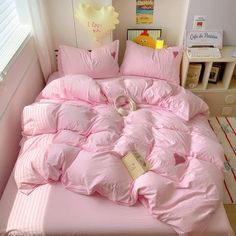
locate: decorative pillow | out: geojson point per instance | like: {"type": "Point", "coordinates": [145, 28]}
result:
{"type": "Point", "coordinates": [156, 63]}
{"type": "Point", "coordinates": [99, 63]}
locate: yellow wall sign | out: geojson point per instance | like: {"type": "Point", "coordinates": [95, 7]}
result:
{"type": "Point", "coordinates": [144, 11]}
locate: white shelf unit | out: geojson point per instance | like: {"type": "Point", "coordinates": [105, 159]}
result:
{"type": "Point", "coordinates": [224, 87]}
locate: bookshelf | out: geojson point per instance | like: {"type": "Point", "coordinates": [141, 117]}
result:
{"type": "Point", "coordinates": [216, 83]}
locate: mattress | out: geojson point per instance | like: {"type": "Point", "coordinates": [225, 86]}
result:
{"type": "Point", "coordinates": [53, 210]}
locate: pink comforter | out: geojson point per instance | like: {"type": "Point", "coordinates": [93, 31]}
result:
{"type": "Point", "coordinates": [73, 134]}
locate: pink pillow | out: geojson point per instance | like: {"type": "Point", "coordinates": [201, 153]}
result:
{"type": "Point", "coordinates": [99, 63]}
{"type": "Point", "coordinates": [155, 63]}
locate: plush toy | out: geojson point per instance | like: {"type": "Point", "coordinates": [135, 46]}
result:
{"type": "Point", "coordinates": [97, 22]}
{"type": "Point", "coordinates": [145, 40]}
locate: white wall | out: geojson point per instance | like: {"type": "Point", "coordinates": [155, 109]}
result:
{"type": "Point", "coordinates": [61, 22]}
{"type": "Point", "coordinates": [65, 27]}
{"type": "Point", "coordinates": [169, 15]}
{"type": "Point", "coordinates": [220, 15]}
{"type": "Point", "coordinates": [21, 85]}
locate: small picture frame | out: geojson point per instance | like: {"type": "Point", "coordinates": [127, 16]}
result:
{"type": "Point", "coordinates": [133, 33]}
{"type": "Point", "coordinates": [214, 74]}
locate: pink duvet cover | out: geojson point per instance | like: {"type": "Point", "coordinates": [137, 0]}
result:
{"type": "Point", "coordinates": [73, 134]}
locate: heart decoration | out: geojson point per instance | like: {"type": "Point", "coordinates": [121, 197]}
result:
{"type": "Point", "coordinates": [178, 159]}
{"type": "Point", "coordinates": [175, 54]}
{"type": "Point", "coordinates": [113, 54]}
{"type": "Point", "coordinates": [97, 22]}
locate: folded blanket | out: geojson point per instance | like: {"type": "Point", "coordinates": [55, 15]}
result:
{"type": "Point", "coordinates": [73, 134]}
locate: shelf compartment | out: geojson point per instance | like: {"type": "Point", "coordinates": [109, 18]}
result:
{"type": "Point", "coordinates": [216, 78]}
{"type": "Point", "coordinates": [222, 82]}
{"type": "Point", "coordinates": [200, 86]}
{"type": "Point", "coordinates": [232, 84]}
{"type": "Point", "coordinates": [215, 93]}
{"type": "Point", "coordinates": [218, 86]}
{"type": "Point", "coordinates": [228, 73]}
{"type": "Point", "coordinates": [194, 75]}
{"type": "Point", "coordinates": [223, 75]}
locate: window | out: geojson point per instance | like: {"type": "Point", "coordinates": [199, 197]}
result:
{"type": "Point", "coordinates": [12, 34]}
{"type": "Point", "coordinates": [8, 20]}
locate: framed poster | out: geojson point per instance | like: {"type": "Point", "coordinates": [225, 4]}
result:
{"type": "Point", "coordinates": [199, 22]}
{"type": "Point", "coordinates": [144, 11]}
{"type": "Point", "coordinates": [214, 74]}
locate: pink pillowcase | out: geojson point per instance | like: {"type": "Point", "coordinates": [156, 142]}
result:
{"type": "Point", "coordinates": [155, 63]}
{"type": "Point", "coordinates": [99, 63]}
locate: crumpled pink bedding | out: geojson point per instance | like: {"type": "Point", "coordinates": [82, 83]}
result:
{"type": "Point", "coordinates": [73, 134]}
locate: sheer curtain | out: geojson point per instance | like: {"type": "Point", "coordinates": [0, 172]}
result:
{"type": "Point", "coordinates": [42, 35]}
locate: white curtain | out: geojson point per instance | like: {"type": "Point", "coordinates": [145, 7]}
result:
{"type": "Point", "coordinates": [42, 35]}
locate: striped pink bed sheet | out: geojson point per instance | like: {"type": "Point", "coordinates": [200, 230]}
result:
{"type": "Point", "coordinates": [225, 130]}
{"type": "Point", "coordinates": [53, 210]}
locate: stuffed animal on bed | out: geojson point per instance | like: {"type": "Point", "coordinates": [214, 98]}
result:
{"type": "Point", "coordinates": [145, 40]}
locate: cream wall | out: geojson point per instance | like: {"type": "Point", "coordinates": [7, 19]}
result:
{"type": "Point", "coordinates": [219, 15]}
{"type": "Point", "coordinates": [170, 15]}
{"type": "Point", "coordinates": [222, 16]}
{"type": "Point", "coordinates": [65, 28]}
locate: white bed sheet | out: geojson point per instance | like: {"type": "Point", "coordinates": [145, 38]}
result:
{"type": "Point", "coordinates": [53, 210]}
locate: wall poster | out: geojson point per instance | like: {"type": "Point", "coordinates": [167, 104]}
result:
{"type": "Point", "coordinates": [144, 11]}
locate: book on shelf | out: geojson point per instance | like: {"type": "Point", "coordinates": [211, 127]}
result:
{"type": "Point", "coordinates": [193, 75]}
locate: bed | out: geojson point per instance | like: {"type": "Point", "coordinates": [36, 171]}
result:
{"type": "Point", "coordinates": [69, 174]}
{"type": "Point", "coordinates": [50, 210]}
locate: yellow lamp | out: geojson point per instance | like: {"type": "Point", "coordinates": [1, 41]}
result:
{"type": "Point", "coordinates": [159, 43]}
